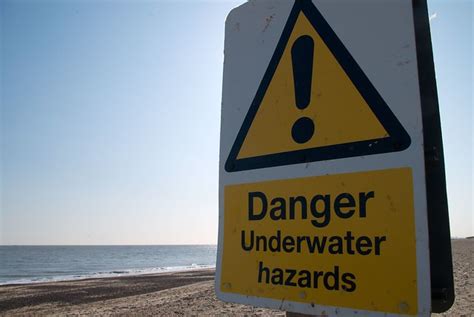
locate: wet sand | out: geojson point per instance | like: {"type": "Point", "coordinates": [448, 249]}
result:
{"type": "Point", "coordinates": [182, 293]}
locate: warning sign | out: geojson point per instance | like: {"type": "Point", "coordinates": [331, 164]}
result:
{"type": "Point", "coordinates": [314, 103]}
{"type": "Point", "coordinates": [335, 239]}
{"type": "Point", "coordinates": [322, 176]}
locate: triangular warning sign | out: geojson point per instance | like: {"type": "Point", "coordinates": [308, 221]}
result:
{"type": "Point", "coordinates": [314, 103]}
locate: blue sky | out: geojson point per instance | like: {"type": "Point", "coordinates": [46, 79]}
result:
{"type": "Point", "coordinates": [452, 37]}
{"type": "Point", "coordinates": [110, 119]}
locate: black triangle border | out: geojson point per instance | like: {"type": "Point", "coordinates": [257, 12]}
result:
{"type": "Point", "coordinates": [398, 139]}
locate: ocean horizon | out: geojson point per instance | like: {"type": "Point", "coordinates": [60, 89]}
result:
{"type": "Point", "coordinates": [22, 264]}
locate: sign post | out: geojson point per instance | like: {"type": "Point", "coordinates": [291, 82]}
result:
{"type": "Point", "coordinates": [323, 201]}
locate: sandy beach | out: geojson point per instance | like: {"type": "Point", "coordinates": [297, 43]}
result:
{"type": "Point", "coordinates": [181, 293]}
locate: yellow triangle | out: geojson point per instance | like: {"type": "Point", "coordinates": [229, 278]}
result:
{"type": "Point", "coordinates": [339, 113]}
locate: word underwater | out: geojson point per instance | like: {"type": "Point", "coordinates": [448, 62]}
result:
{"type": "Point", "coordinates": [347, 244]}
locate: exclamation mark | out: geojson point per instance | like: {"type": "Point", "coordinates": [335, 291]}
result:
{"type": "Point", "coordinates": [302, 58]}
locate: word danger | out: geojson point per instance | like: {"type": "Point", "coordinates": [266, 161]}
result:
{"type": "Point", "coordinates": [344, 205]}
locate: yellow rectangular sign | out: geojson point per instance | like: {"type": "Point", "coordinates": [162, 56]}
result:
{"type": "Point", "coordinates": [345, 240]}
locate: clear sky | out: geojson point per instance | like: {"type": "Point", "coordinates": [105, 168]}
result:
{"type": "Point", "coordinates": [110, 119]}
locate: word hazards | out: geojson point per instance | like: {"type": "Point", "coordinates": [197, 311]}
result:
{"type": "Point", "coordinates": [324, 238]}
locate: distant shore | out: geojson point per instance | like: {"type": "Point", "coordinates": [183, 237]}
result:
{"type": "Point", "coordinates": [176, 293]}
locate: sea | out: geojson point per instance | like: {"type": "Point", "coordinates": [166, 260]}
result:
{"type": "Point", "coordinates": [34, 264]}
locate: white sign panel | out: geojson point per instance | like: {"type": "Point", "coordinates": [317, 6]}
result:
{"type": "Point", "coordinates": [322, 194]}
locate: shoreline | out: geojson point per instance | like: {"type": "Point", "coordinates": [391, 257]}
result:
{"type": "Point", "coordinates": [112, 274]}
{"type": "Point", "coordinates": [175, 293]}
{"type": "Point", "coordinates": [47, 297]}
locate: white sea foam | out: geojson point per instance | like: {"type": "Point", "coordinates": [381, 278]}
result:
{"type": "Point", "coordinates": [112, 273]}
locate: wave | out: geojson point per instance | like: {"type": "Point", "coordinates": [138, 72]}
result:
{"type": "Point", "coordinates": [112, 273]}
